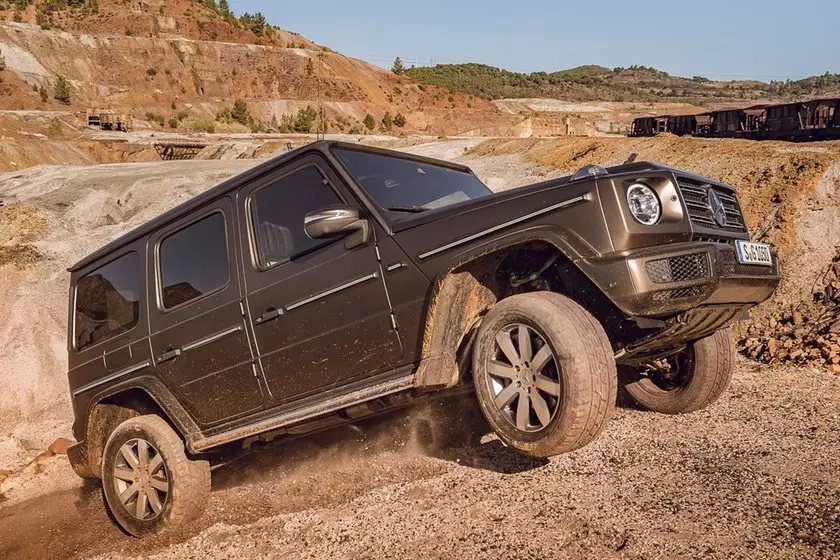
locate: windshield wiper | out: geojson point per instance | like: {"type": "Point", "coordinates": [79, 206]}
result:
{"type": "Point", "coordinates": [413, 209]}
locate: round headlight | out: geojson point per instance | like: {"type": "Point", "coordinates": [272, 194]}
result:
{"type": "Point", "coordinates": [644, 204]}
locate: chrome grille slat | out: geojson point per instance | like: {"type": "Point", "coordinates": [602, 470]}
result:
{"type": "Point", "coordinates": [695, 197]}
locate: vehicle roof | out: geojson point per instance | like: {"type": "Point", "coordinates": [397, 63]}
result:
{"type": "Point", "coordinates": [322, 146]}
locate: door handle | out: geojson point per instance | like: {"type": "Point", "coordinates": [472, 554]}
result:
{"type": "Point", "coordinates": [269, 315]}
{"type": "Point", "coordinates": [170, 355]}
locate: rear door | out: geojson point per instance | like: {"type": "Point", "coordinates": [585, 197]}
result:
{"type": "Point", "coordinates": [109, 332]}
{"type": "Point", "coordinates": [199, 338]}
{"type": "Point", "coordinates": [319, 311]}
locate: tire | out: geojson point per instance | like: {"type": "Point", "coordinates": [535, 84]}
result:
{"type": "Point", "coordinates": [708, 365]}
{"type": "Point", "coordinates": [577, 382]}
{"type": "Point", "coordinates": [187, 482]}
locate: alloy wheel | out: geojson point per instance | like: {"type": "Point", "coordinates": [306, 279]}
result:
{"type": "Point", "coordinates": [141, 479]}
{"type": "Point", "coordinates": [523, 378]}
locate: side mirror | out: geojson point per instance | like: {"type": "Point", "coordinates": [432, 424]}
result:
{"type": "Point", "coordinates": [337, 220]}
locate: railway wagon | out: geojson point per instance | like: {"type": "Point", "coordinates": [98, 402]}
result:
{"type": "Point", "coordinates": [817, 119]}
{"type": "Point", "coordinates": [649, 126]}
{"type": "Point", "coordinates": [682, 125]}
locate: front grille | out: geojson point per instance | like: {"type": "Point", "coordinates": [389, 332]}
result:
{"type": "Point", "coordinates": [729, 266]}
{"type": "Point", "coordinates": [696, 197]}
{"type": "Point", "coordinates": [678, 269]}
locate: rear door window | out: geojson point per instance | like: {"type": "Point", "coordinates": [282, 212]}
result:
{"type": "Point", "coordinates": [107, 301]}
{"type": "Point", "coordinates": [194, 261]}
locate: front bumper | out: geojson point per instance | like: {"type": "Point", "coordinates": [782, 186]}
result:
{"type": "Point", "coordinates": [664, 281]}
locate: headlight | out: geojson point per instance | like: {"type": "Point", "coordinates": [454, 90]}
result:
{"type": "Point", "coordinates": [644, 204]}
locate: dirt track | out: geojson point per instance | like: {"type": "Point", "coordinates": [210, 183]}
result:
{"type": "Point", "coordinates": [755, 476]}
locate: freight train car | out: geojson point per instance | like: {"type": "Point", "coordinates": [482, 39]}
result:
{"type": "Point", "coordinates": [818, 119]}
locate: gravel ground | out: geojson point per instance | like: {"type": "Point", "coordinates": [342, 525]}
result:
{"type": "Point", "coordinates": [754, 476]}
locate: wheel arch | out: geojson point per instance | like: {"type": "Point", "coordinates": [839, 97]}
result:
{"type": "Point", "coordinates": [97, 417]}
{"type": "Point", "coordinates": [463, 293]}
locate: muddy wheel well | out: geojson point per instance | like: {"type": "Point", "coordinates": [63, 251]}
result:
{"type": "Point", "coordinates": [469, 290]}
{"type": "Point", "coordinates": [109, 413]}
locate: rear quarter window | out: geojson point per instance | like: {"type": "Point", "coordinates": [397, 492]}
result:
{"type": "Point", "coordinates": [107, 301]}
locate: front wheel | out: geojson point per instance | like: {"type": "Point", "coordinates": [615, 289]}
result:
{"type": "Point", "coordinates": [150, 485]}
{"type": "Point", "coordinates": [692, 380]}
{"type": "Point", "coordinates": [544, 373]}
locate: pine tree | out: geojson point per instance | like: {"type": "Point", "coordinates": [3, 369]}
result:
{"type": "Point", "coordinates": [398, 67]}
{"type": "Point", "coordinates": [400, 120]}
{"type": "Point", "coordinates": [240, 112]}
{"type": "Point", "coordinates": [369, 122]}
{"type": "Point", "coordinates": [62, 90]}
{"type": "Point", "coordinates": [387, 121]}
{"type": "Point", "coordinates": [224, 8]}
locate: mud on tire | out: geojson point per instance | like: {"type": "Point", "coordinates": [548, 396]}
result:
{"type": "Point", "coordinates": [709, 363]}
{"type": "Point", "coordinates": [154, 466]}
{"type": "Point", "coordinates": [571, 393]}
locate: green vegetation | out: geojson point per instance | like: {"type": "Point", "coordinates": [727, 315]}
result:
{"type": "Point", "coordinates": [399, 67]}
{"type": "Point", "coordinates": [369, 122]}
{"type": "Point", "coordinates": [155, 118]}
{"type": "Point", "coordinates": [825, 85]}
{"type": "Point", "coordinates": [61, 91]}
{"type": "Point", "coordinates": [2, 61]}
{"type": "Point", "coordinates": [400, 120]}
{"type": "Point", "coordinates": [597, 83]}
{"type": "Point", "coordinates": [42, 91]}
{"type": "Point", "coordinates": [387, 121]}
{"type": "Point", "coordinates": [203, 126]}
{"type": "Point", "coordinates": [151, 72]}
{"type": "Point", "coordinates": [303, 121]}
{"type": "Point", "coordinates": [255, 23]}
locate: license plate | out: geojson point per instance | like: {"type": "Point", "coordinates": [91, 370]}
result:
{"type": "Point", "coordinates": [754, 253]}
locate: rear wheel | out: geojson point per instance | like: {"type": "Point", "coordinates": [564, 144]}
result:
{"type": "Point", "coordinates": [544, 373]}
{"type": "Point", "coordinates": [150, 485]}
{"type": "Point", "coordinates": [690, 380]}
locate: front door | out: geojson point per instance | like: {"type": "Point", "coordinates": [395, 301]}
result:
{"type": "Point", "coordinates": [319, 311]}
{"type": "Point", "coordinates": [199, 338]}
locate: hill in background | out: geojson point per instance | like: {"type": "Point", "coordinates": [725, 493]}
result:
{"type": "Point", "coordinates": [636, 83]}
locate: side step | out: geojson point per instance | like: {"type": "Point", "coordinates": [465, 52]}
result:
{"type": "Point", "coordinates": [310, 407]}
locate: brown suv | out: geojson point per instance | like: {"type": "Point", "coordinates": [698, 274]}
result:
{"type": "Point", "coordinates": [337, 282]}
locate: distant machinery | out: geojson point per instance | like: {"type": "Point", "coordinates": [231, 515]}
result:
{"type": "Point", "coordinates": [109, 120]}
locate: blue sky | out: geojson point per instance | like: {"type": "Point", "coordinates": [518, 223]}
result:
{"type": "Point", "coordinates": [735, 39]}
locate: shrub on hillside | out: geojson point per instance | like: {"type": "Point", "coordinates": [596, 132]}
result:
{"type": "Point", "coordinates": [62, 90]}
{"type": "Point", "coordinates": [400, 120]}
{"type": "Point", "coordinates": [369, 122]}
{"type": "Point", "coordinates": [155, 118]}
{"type": "Point", "coordinates": [203, 126]}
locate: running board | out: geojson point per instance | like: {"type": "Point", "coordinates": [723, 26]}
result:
{"type": "Point", "coordinates": [311, 407]}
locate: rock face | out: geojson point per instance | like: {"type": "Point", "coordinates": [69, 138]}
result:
{"type": "Point", "coordinates": [807, 334]}
{"type": "Point", "coordinates": [167, 66]}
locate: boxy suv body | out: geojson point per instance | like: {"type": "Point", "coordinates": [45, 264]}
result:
{"type": "Point", "coordinates": [337, 282]}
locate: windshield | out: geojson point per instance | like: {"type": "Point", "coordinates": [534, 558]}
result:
{"type": "Point", "coordinates": [402, 185]}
